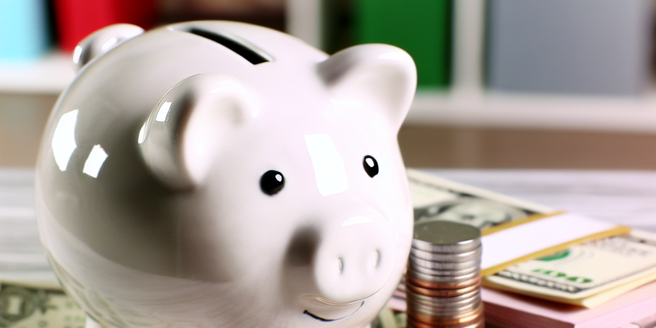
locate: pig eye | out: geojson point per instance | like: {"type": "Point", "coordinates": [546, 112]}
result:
{"type": "Point", "coordinates": [272, 182]}
{"type": "Point", "coordinates": [370, 165]}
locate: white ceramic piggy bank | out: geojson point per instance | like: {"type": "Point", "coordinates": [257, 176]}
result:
{"type": "Point", "coordinates": [220, 174]}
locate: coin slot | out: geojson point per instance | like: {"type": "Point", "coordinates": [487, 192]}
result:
{"type": "Point", "coordinates": [253, 56]}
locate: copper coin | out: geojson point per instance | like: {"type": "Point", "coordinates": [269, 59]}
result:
{"type": "Point", "coordinates": [445, 285]}
{"type": "Point", "coordinates": [433, 311]}
{"type": "Point", "coordinates": [441, 292]}
{"type": "Point", "coordinates": [433, 299]}
{"type": "Point", "coordinates": [480, 323]}
{"type": "Point", "coordinates": [457, 306]}
{"type": "Point", "coordinates": [452, 320]}
{"type": "Point", "coordinates": [442, 312]}
{"type": "Point", "coordinates": [474, 322]}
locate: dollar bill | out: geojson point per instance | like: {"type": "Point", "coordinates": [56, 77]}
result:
{"type": "Point", "coordinates": [434, 198]}
{"type": "Point", "coordinates": [385, 319]}
{"type": "Point", "coordinates": [389, 318]}
{"type": "Point", "coordinates": [25, 306]}
{"type": "Point", "coordinates": [588, 274]}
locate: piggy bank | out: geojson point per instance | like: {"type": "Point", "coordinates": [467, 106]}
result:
{"type": "Point", "coordinates": [221, 174]}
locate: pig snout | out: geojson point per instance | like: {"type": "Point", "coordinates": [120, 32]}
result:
{"type": "Point", "coordinates": [345, 261]}
{"type": "Point", "coordinates": [355, 258]}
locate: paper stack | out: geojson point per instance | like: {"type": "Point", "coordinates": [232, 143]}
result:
{"type": "Point", "coordinates": [636, 308]}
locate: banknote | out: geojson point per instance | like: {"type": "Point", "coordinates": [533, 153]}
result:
{"type": "Point", "coordinates": [25, 306]}
{"type": "Point", "coordinates": [434, 198]}
{"type": "Point", "coordinates": [588, 274]}
{"type": "Point", "coordinates": [388, 318]}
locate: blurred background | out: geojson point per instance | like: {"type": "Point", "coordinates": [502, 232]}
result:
{"type": "Point", "coordinates": [502, 83]}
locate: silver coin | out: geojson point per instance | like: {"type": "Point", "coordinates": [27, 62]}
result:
{"type": "Point", "coordinates": [479, 248]}
{"type": "Point", "coordinates": [439, 265]}
{"type": "Point", "coordinates": [444, 307]}
{"type": "Point", "coordinates": [435, 312]}
{"type": "Point", "coordinates": [443, 272]}
{"type": "Point", "coordinates": [435, 299]}
{"type": "Point", "coordinates": [445, 257]}
{"type": "Point", "coordinates": [450, 279]}
{"type": "Point", "coordinates": [446, 237]}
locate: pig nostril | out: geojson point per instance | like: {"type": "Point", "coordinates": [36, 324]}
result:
{"type": "Point", "coordinates": [374, 259]}
{"type": "Point", "coordinates": [339, 265]}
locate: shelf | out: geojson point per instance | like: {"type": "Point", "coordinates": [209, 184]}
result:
{"type": "Point", "coordinates": [478, 108]}
{"type": "Point", "coordinates": [473, 108]}
{"type": "Point", "coordinates": [486, 109]}
{"type": "Point", "coordinates": [48, 75]}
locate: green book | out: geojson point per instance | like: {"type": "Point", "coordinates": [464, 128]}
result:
{"type": "Point", "coordinates": [420, 27]}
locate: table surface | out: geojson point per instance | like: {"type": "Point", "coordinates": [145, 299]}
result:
{"type": "Point", "coordinates": [624, 197]}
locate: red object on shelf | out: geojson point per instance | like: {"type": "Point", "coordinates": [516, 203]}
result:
{"type": "Point", "coordinates": [78, 18]}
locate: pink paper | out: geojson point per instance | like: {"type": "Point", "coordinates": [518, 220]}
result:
{"type": "Point", "coordinates": [524, 311]}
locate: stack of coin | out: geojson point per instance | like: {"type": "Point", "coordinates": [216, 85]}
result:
{"type": "Point", "coordinates": [444, 276]}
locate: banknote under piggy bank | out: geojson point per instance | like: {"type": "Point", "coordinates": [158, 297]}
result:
{"type": "Point", "coordinates": [220, 174]}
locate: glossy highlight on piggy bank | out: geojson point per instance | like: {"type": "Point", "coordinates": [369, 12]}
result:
{"type": "Point", "coordinates": [221, 174]}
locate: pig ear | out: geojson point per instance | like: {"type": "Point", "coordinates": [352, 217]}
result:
{"type": "Point", "coordinates": [187, 127]}
{"type": "Point", "coordinates": [373, 74]}
{"type": "Point", "coordinates": [102, 41]}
